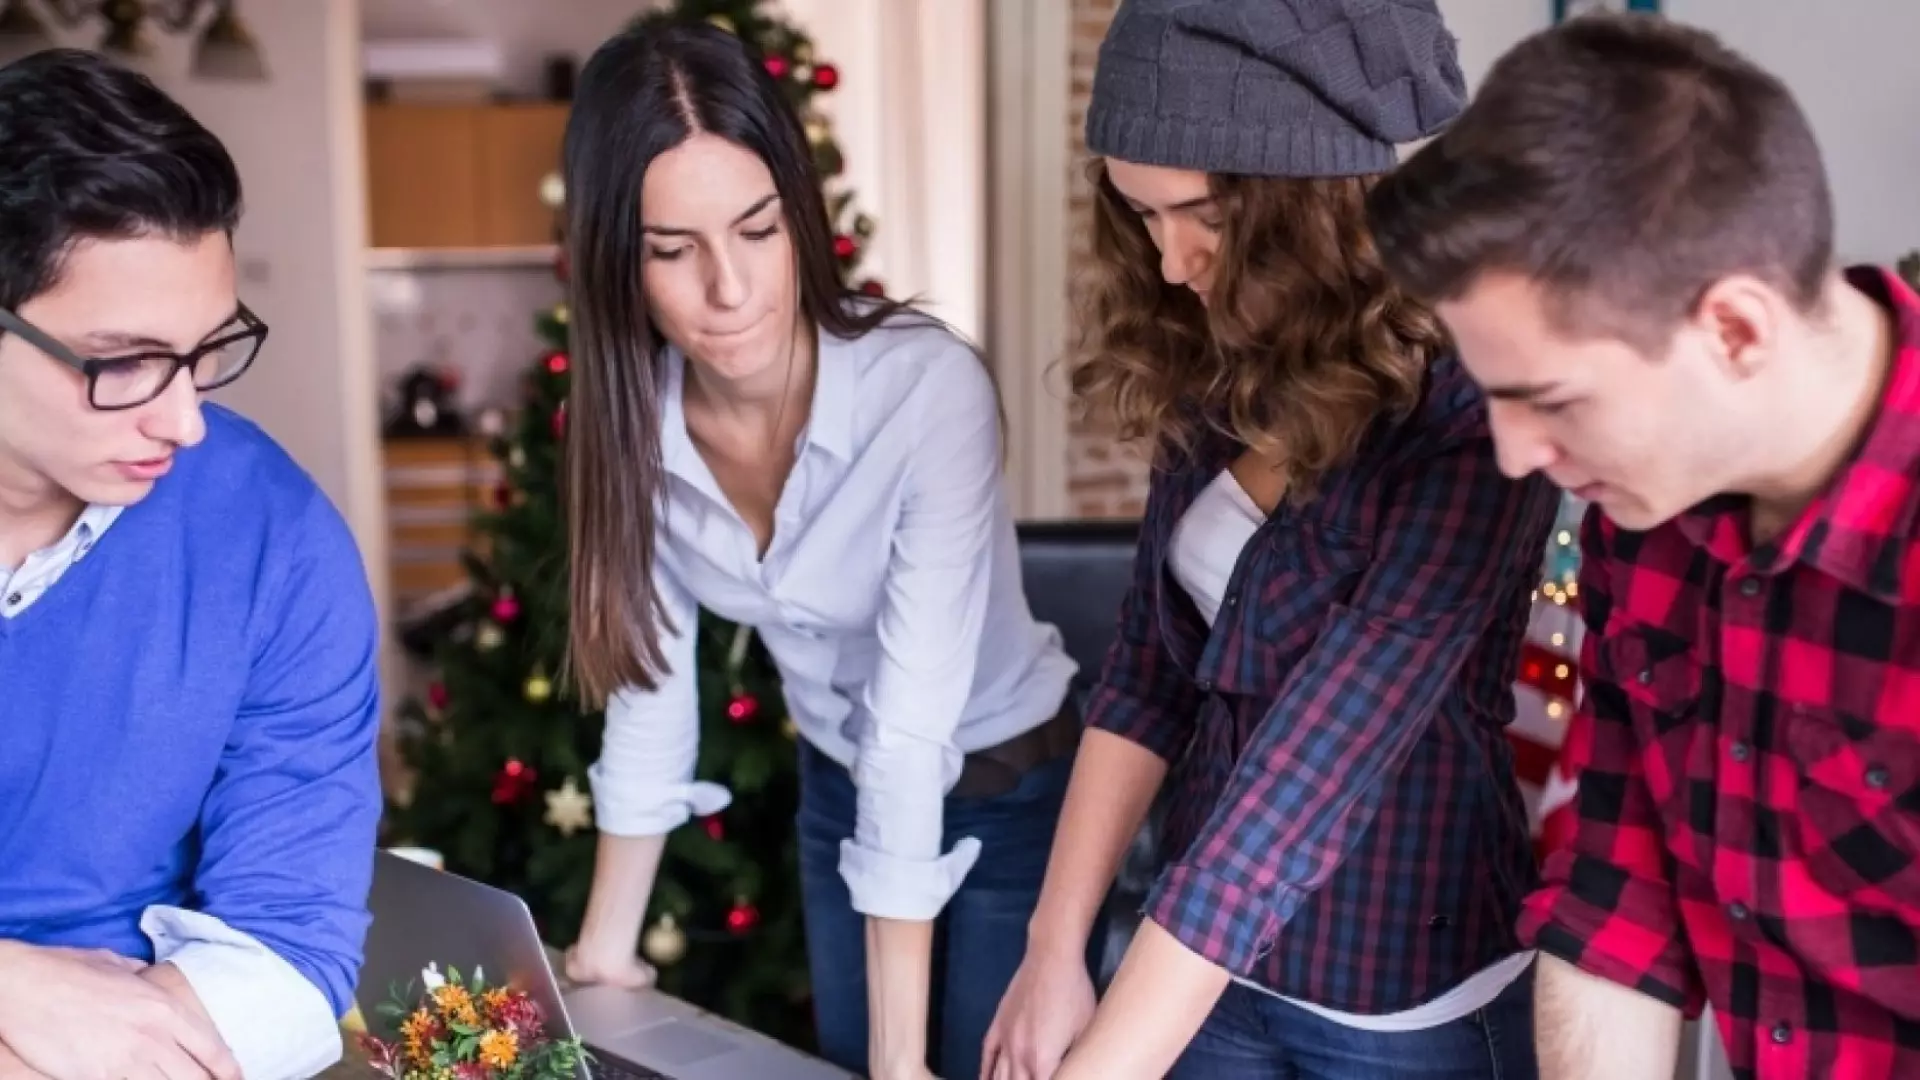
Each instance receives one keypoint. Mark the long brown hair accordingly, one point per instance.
(642, 93)
(1306, 344)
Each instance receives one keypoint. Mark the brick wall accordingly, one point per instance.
(1104, 480)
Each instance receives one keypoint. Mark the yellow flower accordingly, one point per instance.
(493, 999)
(456, 1005)
(498, 1049)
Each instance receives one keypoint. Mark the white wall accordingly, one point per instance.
(528, 31)
(296, 140)
(1848, 62)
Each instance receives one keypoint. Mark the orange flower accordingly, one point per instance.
(498, 1049)
(420, 1030)
(456, 1005)
(493, 1001)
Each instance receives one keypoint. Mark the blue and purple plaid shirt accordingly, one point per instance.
(1343, 826)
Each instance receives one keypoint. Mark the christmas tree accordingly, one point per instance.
(497, 749)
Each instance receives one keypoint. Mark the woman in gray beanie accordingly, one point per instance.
(1333, 584)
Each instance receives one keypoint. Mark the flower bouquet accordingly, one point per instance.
(461, 1029)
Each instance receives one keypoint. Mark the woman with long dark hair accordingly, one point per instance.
(1317, 655)
(747, 435)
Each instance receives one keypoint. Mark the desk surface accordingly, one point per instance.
(353, 1066)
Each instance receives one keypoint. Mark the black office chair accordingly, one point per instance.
(1076, 573)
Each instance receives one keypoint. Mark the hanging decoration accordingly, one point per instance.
(569, 809)
(515, 781)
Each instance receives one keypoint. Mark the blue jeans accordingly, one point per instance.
(978, 940)
(1255, 1036)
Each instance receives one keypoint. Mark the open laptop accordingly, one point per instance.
(422, 916)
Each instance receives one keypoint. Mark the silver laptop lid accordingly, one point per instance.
(425, 916)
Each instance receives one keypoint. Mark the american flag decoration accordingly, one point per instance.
(1548, 687)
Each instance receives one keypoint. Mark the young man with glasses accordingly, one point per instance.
(188, 702)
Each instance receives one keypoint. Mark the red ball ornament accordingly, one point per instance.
(505, 609)
(560, 421)
(437, 696)
(515, 780)
(1549, 672)
(557, 363)
(562, 267)
(503, 495)
(715, 827)
(778, 66)
(825, 76)
(843, 246)
(743, 917)
(873, 288)
(743, 708)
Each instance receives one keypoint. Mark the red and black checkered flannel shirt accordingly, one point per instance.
(1343, 824)
(1749, 806)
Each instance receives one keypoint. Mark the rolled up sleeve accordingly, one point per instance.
(277, 1023)
(931, 617)
(1142, 694)
(643, 784)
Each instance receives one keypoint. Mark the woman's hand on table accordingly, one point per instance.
(587, 963)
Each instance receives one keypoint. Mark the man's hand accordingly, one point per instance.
(1046, 1007)
(12, 1068)
(88, 1015)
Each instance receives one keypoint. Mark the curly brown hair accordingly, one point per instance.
(1306, 344)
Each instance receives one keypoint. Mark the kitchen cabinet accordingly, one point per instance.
(460, 176)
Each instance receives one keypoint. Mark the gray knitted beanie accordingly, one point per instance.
(1272, 87)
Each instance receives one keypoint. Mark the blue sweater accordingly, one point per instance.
(188, 717)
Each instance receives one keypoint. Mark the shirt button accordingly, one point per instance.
(1232, 600)
(1877, 777)
(1738, 911)
(1205, 685)
(1750, 588)
(1740, 750)
(1645, 677)
(1782, 1033)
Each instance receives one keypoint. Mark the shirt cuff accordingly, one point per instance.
(1225, 923)
(890, 887)
(278, 1025)
(1555, 921)
(1148, 724)
(654, 811)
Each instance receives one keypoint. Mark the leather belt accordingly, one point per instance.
(997, 770)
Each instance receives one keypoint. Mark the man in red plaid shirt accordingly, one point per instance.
(1630, 235)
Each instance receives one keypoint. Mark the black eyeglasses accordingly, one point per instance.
(128, 382)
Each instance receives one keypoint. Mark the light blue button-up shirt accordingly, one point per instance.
(890, 600)
(277, 1024)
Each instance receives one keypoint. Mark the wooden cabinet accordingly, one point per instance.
(434, 487)
(460, 176)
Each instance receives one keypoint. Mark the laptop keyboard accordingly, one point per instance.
(612, 1068)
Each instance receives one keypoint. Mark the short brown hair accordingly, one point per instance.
(1623, 163)
(1307, 342)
